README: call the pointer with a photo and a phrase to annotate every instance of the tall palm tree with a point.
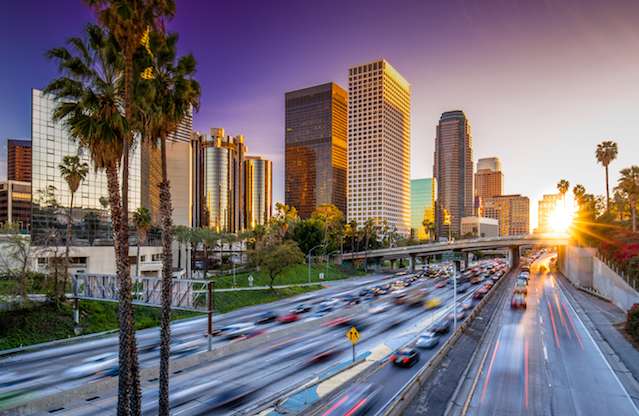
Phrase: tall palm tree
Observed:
(606, 152)
(578, 191)
(167, 99)
(142, 222)
(427, 223)
(129, 21)
(73, 171)
(628, 183)
(89, 102)
(619, 202)
(563, 186)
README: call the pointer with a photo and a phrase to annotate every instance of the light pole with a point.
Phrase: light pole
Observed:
(328, 258)
(309, 260)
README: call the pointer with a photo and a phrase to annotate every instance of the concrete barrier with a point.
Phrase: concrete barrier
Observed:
(611, 286)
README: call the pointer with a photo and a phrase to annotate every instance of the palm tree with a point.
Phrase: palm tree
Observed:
(73, 171)
(606, 152)
(629, 184)
(88, 102)
(619, 202)
(563, 186)
(142, 222)
(182, 235)
(578, 191)
(428, 224)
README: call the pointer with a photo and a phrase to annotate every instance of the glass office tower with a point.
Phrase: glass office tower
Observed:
(258, 174)
(422, 205)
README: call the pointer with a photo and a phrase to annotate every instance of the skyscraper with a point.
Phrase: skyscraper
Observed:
(512, 211)
(547, 206)
(489, 179)
(315, 154)
(422, 205)
(379, 146)
(453, 170)
(15, 204)
(220, 183)
(19, 160)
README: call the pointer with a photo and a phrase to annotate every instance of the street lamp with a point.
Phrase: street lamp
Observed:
(309, 260)
(328, 258)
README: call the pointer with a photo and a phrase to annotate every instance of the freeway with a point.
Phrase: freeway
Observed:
(542, 360)
(241, 383)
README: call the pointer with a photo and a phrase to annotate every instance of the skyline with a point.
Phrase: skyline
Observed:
(546, 68)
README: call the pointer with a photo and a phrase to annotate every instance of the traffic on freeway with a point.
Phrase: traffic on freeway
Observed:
(389, 312)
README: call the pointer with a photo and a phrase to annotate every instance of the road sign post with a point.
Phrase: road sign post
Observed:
(353, 337)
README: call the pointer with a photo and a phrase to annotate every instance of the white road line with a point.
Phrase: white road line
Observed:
(623, 388)
(545, 351)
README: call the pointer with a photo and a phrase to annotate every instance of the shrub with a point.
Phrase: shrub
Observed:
(632, 322)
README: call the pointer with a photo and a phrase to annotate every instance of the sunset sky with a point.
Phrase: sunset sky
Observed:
(542, 82)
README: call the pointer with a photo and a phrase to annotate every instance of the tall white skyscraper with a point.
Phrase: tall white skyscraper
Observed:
(379, 146)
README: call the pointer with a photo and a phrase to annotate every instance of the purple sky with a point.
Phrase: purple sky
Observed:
(541, 81)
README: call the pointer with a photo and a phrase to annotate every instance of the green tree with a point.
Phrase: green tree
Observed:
(274, 258)
(606, 152)
(73, 171)
(142, 222)
(578, 191)
(628, 183)
(182, 235)
(563, 186)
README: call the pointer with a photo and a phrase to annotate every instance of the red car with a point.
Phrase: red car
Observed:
(518, 301)
(441, 284)
(288, 318)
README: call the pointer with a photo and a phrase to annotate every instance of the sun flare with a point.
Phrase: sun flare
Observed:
(561, 218)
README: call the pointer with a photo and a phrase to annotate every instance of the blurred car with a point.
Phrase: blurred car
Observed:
(266, 317)
(480, 293)
(301, 308)
(339, 321)
(521, 287)
(236, 330)
(467, 305)
(105, 364)
(518, 301)
(356, 400)
(379, 308)
(441, 327)
(181, 348)
(460, 314)
(405, 357)
(427, 340)
(463, 288)
(432, 303)
(288, 318)
(495, 277)
(441, 284)
(323, 354)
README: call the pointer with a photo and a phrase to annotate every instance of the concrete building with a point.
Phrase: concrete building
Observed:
(221, 183)
(315, 148)
(479, 227)
(15, 204)
(512, 212)
(489, 179)
(19, 160)
(547, 206)
(379, 146)
(453, 171)
(422, 205)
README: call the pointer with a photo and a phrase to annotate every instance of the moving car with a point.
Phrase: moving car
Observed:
(463, 288)
(302, 308)
(427, 340)
(441, 284)
(432, 303)
(441, 327)
(405, 357)
(521, 287)
(518, 301)
(236, 330)
(356, 400)
(266, 317)
(288, 318)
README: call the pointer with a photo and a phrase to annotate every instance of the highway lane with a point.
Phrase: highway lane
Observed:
(59, 366)
(543, 361)
(271, 371)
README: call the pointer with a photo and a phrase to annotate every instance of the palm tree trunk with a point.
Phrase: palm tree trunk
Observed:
(607, 191)
(137, 260)
(66, 250)
(167, 266)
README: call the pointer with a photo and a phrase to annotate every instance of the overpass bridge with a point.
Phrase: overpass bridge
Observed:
(422, 251)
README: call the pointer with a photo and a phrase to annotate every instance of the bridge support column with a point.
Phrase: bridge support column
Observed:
(392, 264)
(457, 264)
(514, 257)
(411, 263)
(377, 265)
(466, 258)
(424, 259)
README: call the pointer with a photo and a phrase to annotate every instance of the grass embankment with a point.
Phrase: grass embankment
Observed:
(45, 322)
(292, 275)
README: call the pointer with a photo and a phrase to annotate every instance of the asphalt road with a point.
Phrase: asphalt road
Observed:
(543, 361)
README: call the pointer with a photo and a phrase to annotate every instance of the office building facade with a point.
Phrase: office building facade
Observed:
(19, 160)
(315, 148)
(453, 171)
(479, 227)
(258, 176)
(422, 206)
(489, 179)
(379, 146)
(512, 212)
(15, 204)
(219, 186)
(546, 208)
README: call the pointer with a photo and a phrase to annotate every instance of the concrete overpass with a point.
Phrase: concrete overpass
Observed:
(512, 243)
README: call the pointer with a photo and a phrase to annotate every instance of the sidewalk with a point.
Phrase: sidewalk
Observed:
(604, 315)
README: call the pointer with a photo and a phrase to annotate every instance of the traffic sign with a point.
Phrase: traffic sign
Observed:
(353, 335)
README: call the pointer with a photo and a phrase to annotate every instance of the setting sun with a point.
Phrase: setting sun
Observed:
(561, 218)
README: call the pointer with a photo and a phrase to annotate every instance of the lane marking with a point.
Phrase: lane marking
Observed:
(526, 373)
(545, 351)
(490, 370)
(573, 327)
(561, 315)
(554, 328)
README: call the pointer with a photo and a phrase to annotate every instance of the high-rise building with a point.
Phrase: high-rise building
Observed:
(479, 227)
(489, 179)
(15, 204)
(315, 154)
(512, 212)
(422, 205)
(91, 216)
(219, 186)
(379, 146)
(19, 160)
(453, 170)
(258, 176)
(547, 206)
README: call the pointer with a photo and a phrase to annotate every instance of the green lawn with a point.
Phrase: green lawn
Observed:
(292, 275)
(44, 322)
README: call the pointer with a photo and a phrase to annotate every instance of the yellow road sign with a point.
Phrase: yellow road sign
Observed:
(353, 335)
